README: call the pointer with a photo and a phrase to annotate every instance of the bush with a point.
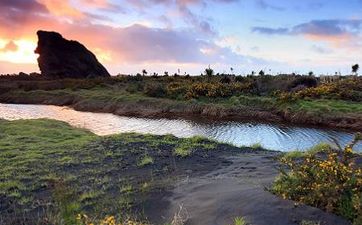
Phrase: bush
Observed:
(212, 90)
(329, 180)
(154, 90)
(307, 81)
(176, 90)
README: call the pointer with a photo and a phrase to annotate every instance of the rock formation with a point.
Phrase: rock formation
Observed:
(61, 58)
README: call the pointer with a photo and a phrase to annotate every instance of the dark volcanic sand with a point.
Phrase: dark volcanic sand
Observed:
(238, 189)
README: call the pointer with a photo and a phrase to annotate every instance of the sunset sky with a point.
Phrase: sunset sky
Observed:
(127, 36)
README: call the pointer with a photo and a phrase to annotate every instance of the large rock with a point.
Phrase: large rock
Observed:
(61, 58)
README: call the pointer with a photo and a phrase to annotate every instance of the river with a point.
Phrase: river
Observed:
(270, 136)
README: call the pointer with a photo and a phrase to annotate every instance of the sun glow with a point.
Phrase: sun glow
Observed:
(24, 52)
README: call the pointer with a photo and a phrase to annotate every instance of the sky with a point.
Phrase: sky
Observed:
(277, 36)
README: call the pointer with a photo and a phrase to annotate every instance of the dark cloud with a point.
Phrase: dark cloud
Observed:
(328, 27)
(263, 4)
(270, 31)
(198, 22)
(22, 5)
(317, 28)
(15, 12)
(137, 44)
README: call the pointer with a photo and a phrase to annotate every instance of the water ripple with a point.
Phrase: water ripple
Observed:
(275, 137)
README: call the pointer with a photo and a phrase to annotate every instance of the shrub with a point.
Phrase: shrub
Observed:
(176, 89)
(307, 81)
(134, 87)
(154, 90)
(331, 181)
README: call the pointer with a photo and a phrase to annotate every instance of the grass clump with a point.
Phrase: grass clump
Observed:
(239, 221)
(322, 147)
(309, 222)
(256, 146)
(189, 145)
(146, 160)
(332, 182)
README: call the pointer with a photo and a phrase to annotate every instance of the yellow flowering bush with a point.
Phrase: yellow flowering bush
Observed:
(217, 90)
(330, 181)
(348, 89)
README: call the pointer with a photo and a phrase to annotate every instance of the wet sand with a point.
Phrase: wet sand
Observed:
(239, 189)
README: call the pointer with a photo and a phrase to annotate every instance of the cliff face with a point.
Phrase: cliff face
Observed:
(61, 58)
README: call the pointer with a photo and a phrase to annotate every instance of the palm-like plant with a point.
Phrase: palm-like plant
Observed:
(355, 69)
(209, 72)
(144, 72)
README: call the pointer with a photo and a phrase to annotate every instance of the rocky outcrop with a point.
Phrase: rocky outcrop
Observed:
(61, 58)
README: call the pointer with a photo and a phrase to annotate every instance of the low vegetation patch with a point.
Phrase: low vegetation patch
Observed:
(51, 172)
(324, 178)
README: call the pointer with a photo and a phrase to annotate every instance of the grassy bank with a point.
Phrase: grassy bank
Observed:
(50, 171)
(274, 99)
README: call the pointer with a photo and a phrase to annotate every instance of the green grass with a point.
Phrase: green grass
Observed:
(75, 170)
(187, 147)
(256, 146)
(312, 151)
(146, 160)
(239, 221)
(326, 106)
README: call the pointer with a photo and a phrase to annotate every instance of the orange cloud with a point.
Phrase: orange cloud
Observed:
(62, 8)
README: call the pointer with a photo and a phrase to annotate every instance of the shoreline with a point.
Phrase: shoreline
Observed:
(155, 109)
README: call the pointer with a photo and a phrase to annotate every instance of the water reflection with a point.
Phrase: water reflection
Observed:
(276, 137)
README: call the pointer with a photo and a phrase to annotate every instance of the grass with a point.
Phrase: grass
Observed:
(309, 222)
(186, 148)
(146, 160)
(256, 146)
(72, 170)
(239, 221)
(322, 147)
(312, 151)
(328, 106)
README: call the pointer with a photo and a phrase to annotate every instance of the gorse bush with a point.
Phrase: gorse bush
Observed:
(330, 180)
(217, 90)
(348, 89)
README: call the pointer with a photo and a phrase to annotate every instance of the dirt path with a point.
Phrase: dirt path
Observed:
(238, 189)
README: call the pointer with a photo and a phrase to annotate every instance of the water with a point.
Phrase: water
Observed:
(270, 136)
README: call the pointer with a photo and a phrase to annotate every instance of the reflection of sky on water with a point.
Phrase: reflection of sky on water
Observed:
(276, 137)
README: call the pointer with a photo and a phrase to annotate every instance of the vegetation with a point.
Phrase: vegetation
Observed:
(239, 221)
(294, 98)
(50, 172)
(355, 69)
(324, 178)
